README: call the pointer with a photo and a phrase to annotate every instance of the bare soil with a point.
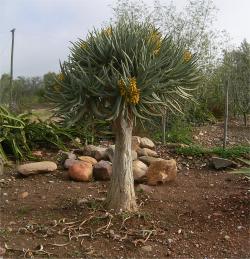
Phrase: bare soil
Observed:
(203, 214)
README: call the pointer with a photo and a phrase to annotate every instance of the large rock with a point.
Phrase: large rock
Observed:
(139, 171)
(149, 160)
(220, 163)
(136, 141)
(161, 172)
(146, 142)
(81, 171)
(102, 170)
(89, 150)
(88, 159)
(37, 167)
(146, 152)
(100, 153)
(69, 162)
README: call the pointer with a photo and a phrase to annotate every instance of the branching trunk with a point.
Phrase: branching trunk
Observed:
(121, 194)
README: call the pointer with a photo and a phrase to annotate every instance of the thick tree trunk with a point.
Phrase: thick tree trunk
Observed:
(121, 194)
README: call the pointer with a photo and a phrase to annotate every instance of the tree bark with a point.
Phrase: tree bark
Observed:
(121, 194)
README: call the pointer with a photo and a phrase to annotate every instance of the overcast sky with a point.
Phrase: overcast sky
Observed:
(44, 28)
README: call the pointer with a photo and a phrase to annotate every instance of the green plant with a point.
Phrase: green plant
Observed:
(122, 74)
(231, 152)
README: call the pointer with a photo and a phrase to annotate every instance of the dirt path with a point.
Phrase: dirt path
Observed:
(203, 214)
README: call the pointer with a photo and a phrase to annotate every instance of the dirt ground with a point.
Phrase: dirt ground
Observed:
(203, 214)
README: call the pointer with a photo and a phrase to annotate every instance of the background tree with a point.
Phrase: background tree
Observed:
(125, 72)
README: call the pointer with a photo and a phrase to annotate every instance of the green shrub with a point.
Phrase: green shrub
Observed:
(231, 152)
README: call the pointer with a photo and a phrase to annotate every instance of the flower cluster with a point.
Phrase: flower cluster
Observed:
(155, 37)
(187, 56)
(107, 31)
(132, 95)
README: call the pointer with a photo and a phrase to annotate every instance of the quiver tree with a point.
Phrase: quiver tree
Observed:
(125, 72)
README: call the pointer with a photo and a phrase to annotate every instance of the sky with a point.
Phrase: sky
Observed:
(45, 28)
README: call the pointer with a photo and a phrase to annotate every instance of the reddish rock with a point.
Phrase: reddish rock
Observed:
(81, 171)
(161, 172)
(102, 170)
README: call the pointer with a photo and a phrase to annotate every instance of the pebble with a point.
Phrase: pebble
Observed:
(5, 194)
(24, 195)
(240, 227)
(147, 248)
(179, 231)
(227, 237)
(170, 240)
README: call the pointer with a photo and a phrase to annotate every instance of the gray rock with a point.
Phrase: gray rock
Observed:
(139, 171)
(110, 152)
(69, 162)
(149, 160)
(63, 155)
(100, 153)
(102, 170)
(146, 152)
(220, 163)
(37, 167)
(147, 143)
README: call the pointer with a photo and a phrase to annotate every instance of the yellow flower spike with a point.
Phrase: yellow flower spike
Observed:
(187, 56)
(132, 95)
(107, 31)
(84, 45)
(60, 77)
(155, 37)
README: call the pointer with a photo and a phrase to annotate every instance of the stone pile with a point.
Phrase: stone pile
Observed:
(95, 162)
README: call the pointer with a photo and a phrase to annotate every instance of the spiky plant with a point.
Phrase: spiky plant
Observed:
(121, 73)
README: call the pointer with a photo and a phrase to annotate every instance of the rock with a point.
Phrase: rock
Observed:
(89, 150)
(161, 172)
(37, 167)
(110, 152)
(63, 155)
(134, 155)
(37, 153)
(102, 170)
(220, 163)
(69, 162)
(147, 248)
(100, 153)
(144, 188)
(146, 142)
(88, 159)
(2, 251)
(136, 141)
(149, 160)
(24, 195)
(139, 170)
(146, 152)
(81, 171)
